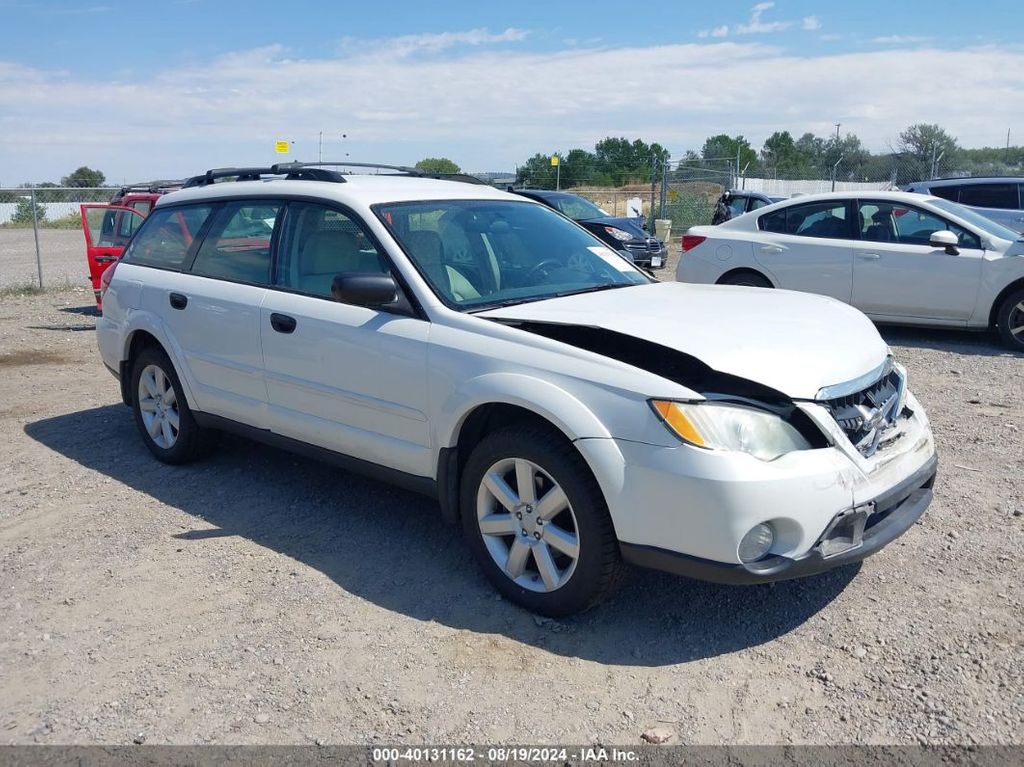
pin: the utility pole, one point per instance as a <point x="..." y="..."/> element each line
<point x="320" y="152"/>
<point x="837" y="132"/>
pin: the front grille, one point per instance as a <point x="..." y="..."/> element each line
<point x="651" y="245"/>
<point x="869" y="416"/>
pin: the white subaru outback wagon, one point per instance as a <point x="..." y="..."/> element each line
<point x="567" y="410"/>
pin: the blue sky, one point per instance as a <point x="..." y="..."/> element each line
<point x="170" y="87"/>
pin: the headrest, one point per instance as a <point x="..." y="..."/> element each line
<point x="425" y="247"/>
<point x="326" y="250"/>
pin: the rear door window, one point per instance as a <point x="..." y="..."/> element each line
<point x="166" y="236"/>
<point x="990" y="196"/>
<point x="238" y="245"/>
<point x="814" y="219"/>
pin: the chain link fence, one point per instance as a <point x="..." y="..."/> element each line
<point x="41" y="240"/>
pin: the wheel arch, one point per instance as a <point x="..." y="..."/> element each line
<point x="993" y="314"/>
<point x="503" y="405"/>
<point x="745" y="270"/>
<point x="146" y="332"/>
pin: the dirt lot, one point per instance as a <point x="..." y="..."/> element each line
<point x="264" y="598"/>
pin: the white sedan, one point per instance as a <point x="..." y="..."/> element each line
<point x="898" y="257"/>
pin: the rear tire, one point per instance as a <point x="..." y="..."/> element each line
<point x="748" y="279"/>
<point x="1010" y="320"/>
<point x="537" y="522"/>
<point x="161" y="412"/>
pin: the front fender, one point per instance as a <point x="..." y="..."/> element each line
<point x="563" y="409"/>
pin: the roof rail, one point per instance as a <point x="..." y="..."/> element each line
<point x="403" y="170"/>
<point x="151" y="186"/>
<point x="316" y="171"/>
<point x="291" y="171"/>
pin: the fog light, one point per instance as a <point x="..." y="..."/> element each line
<point x="755" y="544"/>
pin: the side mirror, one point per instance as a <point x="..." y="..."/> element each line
<point x="944" y="238"/>
<point x="371" y="290"/>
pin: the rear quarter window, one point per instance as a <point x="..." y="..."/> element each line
<point x="166" y="237"/>
<point x="951" y="192"/>
<point x="990" y="196"/>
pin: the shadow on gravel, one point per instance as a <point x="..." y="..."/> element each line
<point x="88" y="311"/>
<point x="982" y="344"/>
<point x="390" y="547"/>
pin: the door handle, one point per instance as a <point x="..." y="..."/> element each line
<point x="282" y="323"/>
<point x="772" y="249"/>
<point x="105" y="259"/>
<point x="178" y="301"/>
<point x="868" y="256"/>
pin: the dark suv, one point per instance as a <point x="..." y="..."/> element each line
<point x="626" y="235"/>
<point x="998" y="198"/>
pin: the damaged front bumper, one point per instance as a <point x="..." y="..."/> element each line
<point x="852" y="536"/>
<point x="685" y="509"/>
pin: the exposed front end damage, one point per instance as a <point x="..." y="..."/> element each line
<point x="864" y="480"/>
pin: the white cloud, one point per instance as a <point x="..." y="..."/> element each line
<point x="408" y="45"/>
<point x="899" y="39"/>
<point x="722" y="31"/>
<point x="756" y="26"/>
<point x="485" y="108"/>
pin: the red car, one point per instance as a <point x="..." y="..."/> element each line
<point x="108" y="228"/>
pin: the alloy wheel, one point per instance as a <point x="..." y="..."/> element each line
<point x="528" y="525"/>
<point x="158" y="405"/>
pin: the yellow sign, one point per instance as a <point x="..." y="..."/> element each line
<point x="554" y="160"/>
<point x="281" y="147"/>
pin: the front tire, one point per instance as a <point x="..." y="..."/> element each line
<point x="1011" y="320"/>
<point x="537" y="522"/>
<point x="161" y="412"/>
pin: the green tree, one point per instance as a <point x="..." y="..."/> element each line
<point x="721" y="149"/>
<point x="577" y="168"/>
<point x="23" y="213"/>
<point x="84" y="176"/>
<point x="849" y="154"/>
<point x="437" y="165"/>
<point x="619" y="160"/>
<point x="537" y="172"/>
<point x="926" y="147"/>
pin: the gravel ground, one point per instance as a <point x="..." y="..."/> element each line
<point x="61" y="252"/>
<point x="264" y="598"/>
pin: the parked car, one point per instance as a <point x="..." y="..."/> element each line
<point x="626" y="235"/>
<point x="108" y="228"/>
<point x="898" y="257"/>
<point x="998" y="198"/>
<point x="567" y="410"/>
<point x="740" y="201"/>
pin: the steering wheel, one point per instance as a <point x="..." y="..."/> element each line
<point x="542" y="267"/>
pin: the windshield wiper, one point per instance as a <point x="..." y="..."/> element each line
<point x="592" y="289"/>
<point x="532" y="299"/>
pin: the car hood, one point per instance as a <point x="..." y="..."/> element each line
<point x="626" y="224"/>
<point x="795" y="343"/>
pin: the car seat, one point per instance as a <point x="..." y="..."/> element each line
<point x="881" y="227"/>
<point x="326" y="254"/>
<point x="427" y="251"/>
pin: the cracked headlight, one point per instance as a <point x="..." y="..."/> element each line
<point x="618" y="234"/>
<point x="720" y="426"/>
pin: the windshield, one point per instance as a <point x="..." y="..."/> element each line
<point x="483" y="253"/>
<point x="985" y="224"/>
<point x="577" y="208"/>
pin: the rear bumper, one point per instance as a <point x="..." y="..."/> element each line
<point x="894" y="512"/>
